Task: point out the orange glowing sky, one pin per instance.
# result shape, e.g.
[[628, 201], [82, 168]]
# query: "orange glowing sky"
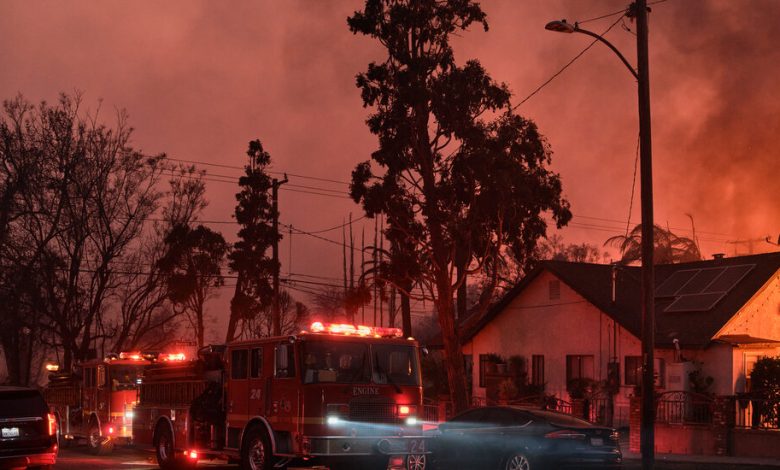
[[200, 79]]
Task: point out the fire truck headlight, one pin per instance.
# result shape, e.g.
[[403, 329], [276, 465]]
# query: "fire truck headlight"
[[333, 420], [129, 414], [411, 421]]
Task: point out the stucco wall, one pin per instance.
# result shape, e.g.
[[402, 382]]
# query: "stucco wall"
[[534, 324]]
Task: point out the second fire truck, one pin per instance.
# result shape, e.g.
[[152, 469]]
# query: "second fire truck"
[[96, 402], [335, 393]]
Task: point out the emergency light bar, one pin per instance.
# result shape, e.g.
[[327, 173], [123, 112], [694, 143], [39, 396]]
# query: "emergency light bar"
[[174, 357], [134, 356], [360, 330]]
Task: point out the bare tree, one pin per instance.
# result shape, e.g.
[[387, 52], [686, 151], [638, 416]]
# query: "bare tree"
[[293, 318], [145, 320]]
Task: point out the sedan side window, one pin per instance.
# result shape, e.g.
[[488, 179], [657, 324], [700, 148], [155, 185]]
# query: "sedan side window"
[[473, 417]]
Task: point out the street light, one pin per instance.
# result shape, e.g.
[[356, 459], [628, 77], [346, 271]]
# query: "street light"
[[639, 11], [563, 27]]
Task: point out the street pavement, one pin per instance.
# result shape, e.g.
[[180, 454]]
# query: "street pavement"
[[123, 458]]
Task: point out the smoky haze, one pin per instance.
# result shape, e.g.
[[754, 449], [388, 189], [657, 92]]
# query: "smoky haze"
[[200, 79], [723, 148]]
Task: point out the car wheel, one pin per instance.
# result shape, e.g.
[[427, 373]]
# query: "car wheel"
[[518, 461], [416, 462], [256, 452]]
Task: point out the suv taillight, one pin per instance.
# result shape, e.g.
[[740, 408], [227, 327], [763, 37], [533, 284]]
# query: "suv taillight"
[[52, 424]]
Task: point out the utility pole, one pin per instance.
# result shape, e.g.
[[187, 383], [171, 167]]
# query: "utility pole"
[[647, 432], [277, 316], [638, 10]]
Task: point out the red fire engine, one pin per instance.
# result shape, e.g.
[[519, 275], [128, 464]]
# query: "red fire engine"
[[333, 393], [96, 402]]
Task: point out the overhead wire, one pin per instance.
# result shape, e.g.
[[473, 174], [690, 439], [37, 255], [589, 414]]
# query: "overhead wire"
[[568, 64]]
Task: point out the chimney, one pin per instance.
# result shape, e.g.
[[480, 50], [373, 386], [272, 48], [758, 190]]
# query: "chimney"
[[718, 256]]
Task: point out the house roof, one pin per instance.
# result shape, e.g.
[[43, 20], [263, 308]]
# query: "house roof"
[[746, 340], [692, 326]]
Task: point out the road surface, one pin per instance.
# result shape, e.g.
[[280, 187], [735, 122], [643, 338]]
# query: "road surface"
[[79, 458]]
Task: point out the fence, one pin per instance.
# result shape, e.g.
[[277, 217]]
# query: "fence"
[[683, 408], [757, 413]]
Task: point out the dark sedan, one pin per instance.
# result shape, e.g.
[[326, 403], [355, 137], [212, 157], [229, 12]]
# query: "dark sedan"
[[511, 438], [28, 432]]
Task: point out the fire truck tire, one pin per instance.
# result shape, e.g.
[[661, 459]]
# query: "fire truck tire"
[[97, 444], [166, 452], [256, 453]]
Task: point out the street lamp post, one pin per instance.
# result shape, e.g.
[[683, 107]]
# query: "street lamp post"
[[639, 10]]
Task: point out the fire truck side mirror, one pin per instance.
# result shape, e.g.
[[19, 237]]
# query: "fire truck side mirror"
[[101, 376]]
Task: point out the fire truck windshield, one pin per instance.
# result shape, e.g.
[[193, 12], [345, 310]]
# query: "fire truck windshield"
[[123, 377], [348, 362]]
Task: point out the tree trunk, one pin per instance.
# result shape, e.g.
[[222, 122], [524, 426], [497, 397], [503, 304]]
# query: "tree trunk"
[[462, 293], [234, 313], [456, 372], [201, 329], [406, 309]]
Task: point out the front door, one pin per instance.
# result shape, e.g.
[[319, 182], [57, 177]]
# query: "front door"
[[237, 395], [283, 412], [259, 381]]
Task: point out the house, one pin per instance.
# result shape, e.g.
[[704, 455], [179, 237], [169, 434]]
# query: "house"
[[568, 321]]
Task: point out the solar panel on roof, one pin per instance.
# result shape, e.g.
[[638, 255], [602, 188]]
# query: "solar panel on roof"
[[674, 283], [701, 280], [729, 280], [695, 302]]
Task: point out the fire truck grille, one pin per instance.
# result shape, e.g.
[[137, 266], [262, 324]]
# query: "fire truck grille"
[[372, 412]]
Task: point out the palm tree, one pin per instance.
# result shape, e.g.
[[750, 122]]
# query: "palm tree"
[[668, 247]]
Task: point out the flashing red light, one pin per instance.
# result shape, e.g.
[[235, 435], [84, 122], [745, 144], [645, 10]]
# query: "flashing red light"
[[52, 424], [193, 455], [174, 357], [134, 356], [317, 327], [111, 430], [406, 410]]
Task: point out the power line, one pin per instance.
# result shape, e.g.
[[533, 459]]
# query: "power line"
[[633, 187], [623, 12], [234, 167], [556, 74]]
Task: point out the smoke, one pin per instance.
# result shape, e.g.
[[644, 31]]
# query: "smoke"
[[719, 116]]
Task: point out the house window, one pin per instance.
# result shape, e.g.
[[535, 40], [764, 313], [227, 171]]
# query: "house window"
[[633, 367], [468, 364], [659, 372], [555, 289], [579, 367], [537, 369], [484, 360]]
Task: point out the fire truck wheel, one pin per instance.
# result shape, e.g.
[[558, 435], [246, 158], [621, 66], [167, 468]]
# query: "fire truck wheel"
[[166, 453], [256, 452], [97, 444]]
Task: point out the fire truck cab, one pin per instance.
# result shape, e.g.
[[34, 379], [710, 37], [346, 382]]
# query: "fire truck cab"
[[96, 402], [332, 393]]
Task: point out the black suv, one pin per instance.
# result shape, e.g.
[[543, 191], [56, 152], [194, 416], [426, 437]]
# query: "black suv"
[[28, 432]]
